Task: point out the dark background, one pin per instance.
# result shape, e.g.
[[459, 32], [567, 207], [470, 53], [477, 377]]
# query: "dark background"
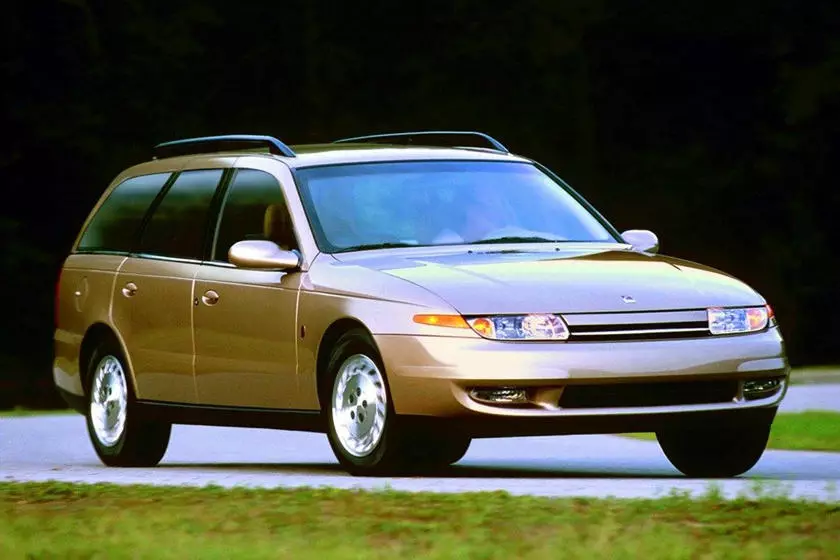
[[715, 124]]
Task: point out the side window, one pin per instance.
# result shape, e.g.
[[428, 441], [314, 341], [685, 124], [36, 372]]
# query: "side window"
[[178, 225], [254, 209], [115, 225]]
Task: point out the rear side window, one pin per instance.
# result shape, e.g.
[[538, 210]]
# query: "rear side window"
[[254, 209], [178, 225], [115, 225]]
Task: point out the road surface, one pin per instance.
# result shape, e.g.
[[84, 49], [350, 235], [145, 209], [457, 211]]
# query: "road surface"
[[56, 448]]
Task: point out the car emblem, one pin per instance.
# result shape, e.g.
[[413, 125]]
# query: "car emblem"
[[628, 299]]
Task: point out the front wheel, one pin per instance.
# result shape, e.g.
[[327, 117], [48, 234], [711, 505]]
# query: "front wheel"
[[435, 451], [715, 452], [118, 436], [361, 425]]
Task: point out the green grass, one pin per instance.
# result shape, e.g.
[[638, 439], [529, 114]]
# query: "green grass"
[[59, 520], [810, 430], [19, 411], [801, 431]]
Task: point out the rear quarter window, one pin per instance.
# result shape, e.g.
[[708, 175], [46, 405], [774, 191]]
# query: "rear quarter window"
[[116, 224]]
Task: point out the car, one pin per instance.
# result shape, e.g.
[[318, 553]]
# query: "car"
[[404, 294]]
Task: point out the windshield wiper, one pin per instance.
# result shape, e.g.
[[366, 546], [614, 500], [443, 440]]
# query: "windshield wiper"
[[519, 239], [371, 246]]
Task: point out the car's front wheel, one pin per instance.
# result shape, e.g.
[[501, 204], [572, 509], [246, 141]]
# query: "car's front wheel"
[[429, 450], [120, 438], [361, 425], [715, 452]]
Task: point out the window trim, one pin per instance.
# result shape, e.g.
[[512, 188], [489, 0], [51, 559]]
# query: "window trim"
[[216, 210]]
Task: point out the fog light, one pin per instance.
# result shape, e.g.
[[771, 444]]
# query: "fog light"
[[500, 395], [760, 388]]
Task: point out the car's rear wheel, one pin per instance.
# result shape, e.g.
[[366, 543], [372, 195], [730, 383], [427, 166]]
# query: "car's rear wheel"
[[361, 425], [120, 438], [715, 451]]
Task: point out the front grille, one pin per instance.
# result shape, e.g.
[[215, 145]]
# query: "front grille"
[[646, 331], [637, 326], [648, 394]]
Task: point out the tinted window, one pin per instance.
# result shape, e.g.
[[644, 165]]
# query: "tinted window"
[[179, 223], [254, 209], [441, 203], [116, 223]]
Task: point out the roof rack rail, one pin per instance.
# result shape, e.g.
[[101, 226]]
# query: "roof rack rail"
[[229, 142], [408, 137]]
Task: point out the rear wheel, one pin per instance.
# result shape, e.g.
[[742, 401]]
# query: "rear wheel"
[[362, 428], [120, 438], [716, 451]]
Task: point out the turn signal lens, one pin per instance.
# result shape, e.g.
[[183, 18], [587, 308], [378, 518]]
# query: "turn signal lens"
[[484, 327], [757, 318], [454, 321], [771, 316]]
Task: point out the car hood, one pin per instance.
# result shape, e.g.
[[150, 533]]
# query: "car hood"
[[567, 280]]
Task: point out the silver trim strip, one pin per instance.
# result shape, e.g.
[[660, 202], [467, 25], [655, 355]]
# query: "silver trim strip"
[[635, 317], [640, 331], [153, 257]]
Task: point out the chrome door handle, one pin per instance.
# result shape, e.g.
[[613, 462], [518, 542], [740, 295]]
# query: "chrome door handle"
[[130, 289], [210, 297]]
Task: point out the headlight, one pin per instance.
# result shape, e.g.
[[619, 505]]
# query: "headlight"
[[521, 327], [739, 320]]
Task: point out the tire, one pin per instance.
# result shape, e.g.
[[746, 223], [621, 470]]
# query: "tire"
[[119, 437], [430, 451], [362, 428], [715, 452]]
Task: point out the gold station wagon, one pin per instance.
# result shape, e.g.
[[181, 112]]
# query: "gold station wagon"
[[404, 294]]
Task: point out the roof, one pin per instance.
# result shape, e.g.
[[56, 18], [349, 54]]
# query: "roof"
[[406, 146], [422, 144], [308, 155], [313, 155]]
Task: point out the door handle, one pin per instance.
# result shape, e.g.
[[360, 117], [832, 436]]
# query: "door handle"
[[210, 297], [129, 289]]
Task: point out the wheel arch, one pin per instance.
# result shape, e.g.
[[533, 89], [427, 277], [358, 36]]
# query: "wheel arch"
[[95, 335], [327, 343]]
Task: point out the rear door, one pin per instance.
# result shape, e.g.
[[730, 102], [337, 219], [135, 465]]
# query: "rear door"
[[153, 292]]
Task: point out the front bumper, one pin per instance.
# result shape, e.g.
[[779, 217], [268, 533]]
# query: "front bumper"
[[432, 376]]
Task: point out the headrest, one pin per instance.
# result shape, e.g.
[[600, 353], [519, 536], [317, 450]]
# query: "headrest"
[[277, 226]]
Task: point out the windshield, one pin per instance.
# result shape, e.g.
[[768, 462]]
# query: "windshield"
[[427, 203]]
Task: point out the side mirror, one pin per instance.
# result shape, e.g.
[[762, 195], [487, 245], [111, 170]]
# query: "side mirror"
[[263, 255], [642, 240]]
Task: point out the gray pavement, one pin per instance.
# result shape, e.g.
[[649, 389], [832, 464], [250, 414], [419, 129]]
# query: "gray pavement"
[[56, 448], [812, 397]]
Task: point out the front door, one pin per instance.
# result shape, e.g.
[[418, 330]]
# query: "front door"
[[245, 320]]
